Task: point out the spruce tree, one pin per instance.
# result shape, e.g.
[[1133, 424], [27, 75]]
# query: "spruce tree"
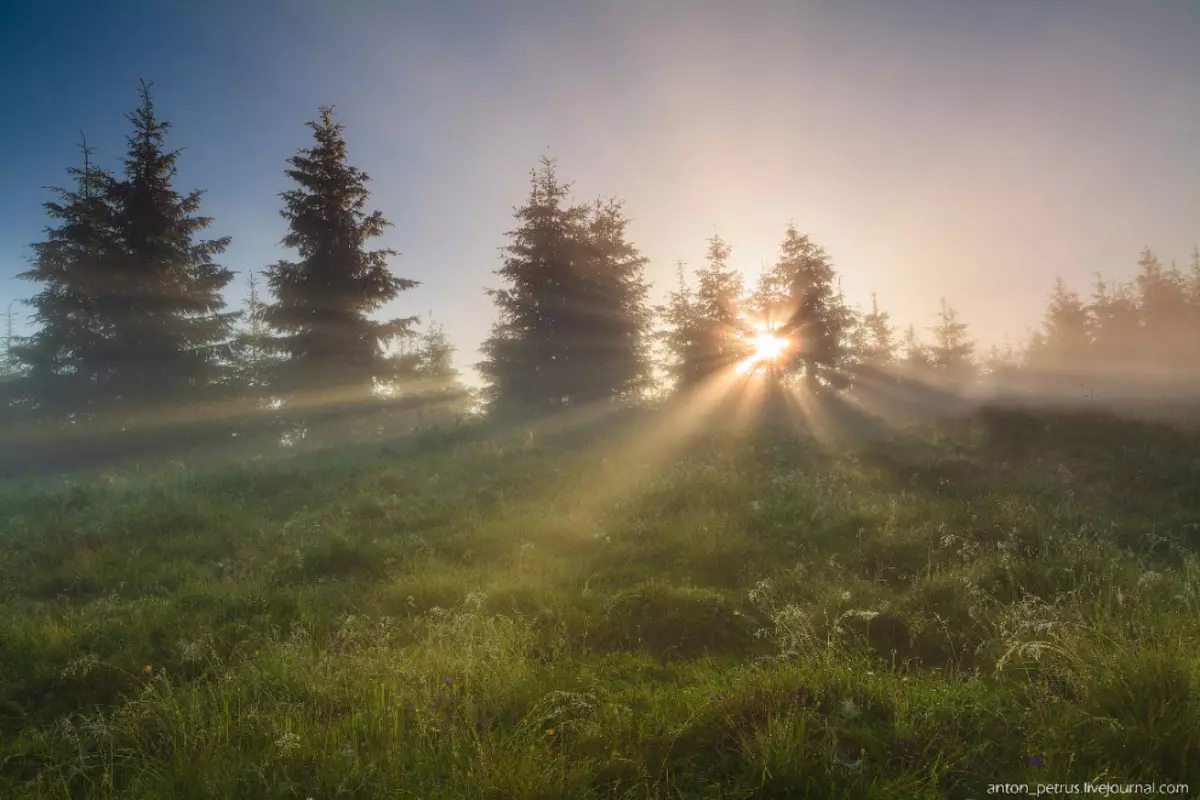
[[441, 385], [719, 333], [916, 355], [880, 343], [68, 362], [1066, 332], [951, 352], [530, 363], [798, 300], [252, 360], [1116, 327], [574, 326], [1001, 362], [8, 363], [681, 334], [614, 324], [856, 340], [332, 350], [170, 328], [1193, 282], [9, 370], [1192, 350], [1163, 305]]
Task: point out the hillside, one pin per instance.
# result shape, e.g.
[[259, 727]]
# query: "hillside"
[[617, 607]]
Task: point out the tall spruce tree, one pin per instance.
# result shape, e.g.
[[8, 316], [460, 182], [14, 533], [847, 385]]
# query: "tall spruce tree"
[[718, 337], [615, 319], [252, 360], [880, 341], [68, 362], [331, 348], [952, 351], [441, 383], [8, 363], [1116, 326], [856, 342], [1066, 332], [1192, 352], [1001, 362], [916, 355], [681, 333], [798, 299], [1163, 303], [529, 364], [574, 326], [9, 370], [170, 328]]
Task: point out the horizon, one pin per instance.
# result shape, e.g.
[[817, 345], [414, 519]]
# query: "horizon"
[[961, 150]]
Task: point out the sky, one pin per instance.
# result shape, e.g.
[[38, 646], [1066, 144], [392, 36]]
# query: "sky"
[[962, 148]]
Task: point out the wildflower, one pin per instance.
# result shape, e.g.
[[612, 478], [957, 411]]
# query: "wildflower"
[[147, 669], [1037, 762], [549, 731]]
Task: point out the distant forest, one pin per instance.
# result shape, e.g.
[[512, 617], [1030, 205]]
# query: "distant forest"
[[132, 334]]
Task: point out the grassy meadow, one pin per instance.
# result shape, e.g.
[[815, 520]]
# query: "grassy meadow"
[[628, 606]]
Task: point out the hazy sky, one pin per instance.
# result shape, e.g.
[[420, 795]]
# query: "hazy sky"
[[972, 149]]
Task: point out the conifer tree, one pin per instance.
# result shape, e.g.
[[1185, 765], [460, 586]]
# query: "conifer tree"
[[168, 334], [1193, 282], [528, 361], [9, 370], [1163, 306], [1116, 328], [880, 343], [68, 361], [8, 363], [330, 345], [252, 358], [798, 299], [1001, 361], [1192, 350], [916, 354], [682, 334], [574, 326], [951, 352], [441, 382], [856, 340], [719, 334], [615, 321], [1066, 332]]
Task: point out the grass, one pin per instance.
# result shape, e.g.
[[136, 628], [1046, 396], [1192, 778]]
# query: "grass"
[[1008, 598]]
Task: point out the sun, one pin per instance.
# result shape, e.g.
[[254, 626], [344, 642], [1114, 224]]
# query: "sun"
[[766, 347]]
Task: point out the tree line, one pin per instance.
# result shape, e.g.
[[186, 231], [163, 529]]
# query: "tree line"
[[131, 323]]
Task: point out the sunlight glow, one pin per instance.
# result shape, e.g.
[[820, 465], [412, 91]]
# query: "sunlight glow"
[[766, 348]]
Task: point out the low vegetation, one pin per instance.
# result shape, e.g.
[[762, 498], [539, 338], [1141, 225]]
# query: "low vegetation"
[[536, 613]]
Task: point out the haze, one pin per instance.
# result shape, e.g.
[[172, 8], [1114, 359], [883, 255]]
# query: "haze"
[[967, 149]]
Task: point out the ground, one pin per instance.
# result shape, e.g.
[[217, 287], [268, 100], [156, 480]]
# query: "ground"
[[592, 609]]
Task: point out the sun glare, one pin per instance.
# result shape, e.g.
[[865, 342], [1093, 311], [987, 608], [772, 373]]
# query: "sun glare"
[[766, 348]]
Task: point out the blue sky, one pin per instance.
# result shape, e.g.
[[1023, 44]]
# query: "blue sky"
[[972, 149]]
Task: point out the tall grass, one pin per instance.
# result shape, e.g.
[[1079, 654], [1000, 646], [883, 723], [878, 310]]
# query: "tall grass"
[[756, 616]]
